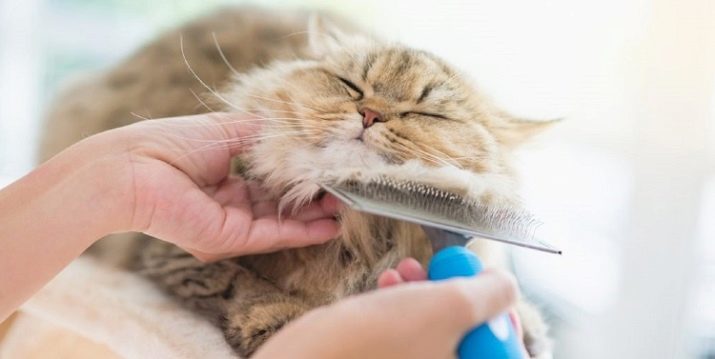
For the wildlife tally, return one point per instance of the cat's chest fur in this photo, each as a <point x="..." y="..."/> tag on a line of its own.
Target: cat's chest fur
<point x="366" y="246"/>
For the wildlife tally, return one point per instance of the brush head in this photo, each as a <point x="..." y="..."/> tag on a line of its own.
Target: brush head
<point x="430" y="206"/>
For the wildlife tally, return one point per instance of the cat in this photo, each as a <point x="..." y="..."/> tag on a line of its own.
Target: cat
<point x="335" y="102"/>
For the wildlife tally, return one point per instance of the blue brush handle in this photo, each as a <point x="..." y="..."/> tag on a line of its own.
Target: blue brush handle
<point x="495" y="339"/>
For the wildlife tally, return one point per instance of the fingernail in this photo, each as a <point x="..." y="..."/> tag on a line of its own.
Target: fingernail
<point x="331" y="203"/>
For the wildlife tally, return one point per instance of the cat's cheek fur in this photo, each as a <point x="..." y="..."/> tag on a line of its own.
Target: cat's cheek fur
<point x="303" y="166"/>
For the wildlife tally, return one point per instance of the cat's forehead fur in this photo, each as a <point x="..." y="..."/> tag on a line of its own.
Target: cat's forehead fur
<point x="397" y="72"/>
<point x="405" y="78"/>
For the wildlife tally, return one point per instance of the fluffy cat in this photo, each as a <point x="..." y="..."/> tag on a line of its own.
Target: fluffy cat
<point x="335" y="103"/>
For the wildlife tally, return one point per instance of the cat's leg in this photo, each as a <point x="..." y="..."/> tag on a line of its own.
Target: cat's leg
<point x="248" y="308"/>
<point x="200" y="286"/>
<point x="254" y="317"/>
<point x="536" y="338"/>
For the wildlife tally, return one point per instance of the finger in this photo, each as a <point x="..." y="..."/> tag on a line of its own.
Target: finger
<point x="238" y="126"/>
<point x="411" y="270"/>
<point x="265" y="209"/>
<point x="326" y="207"/>
<point x="257" y="192"/>
<point x="293" y="233"/>
<point x="516" y="322"/>
<point x="269" y="234"/>
<point x="389" y="278"/>
<point x="224" y="126"/>
<point x="204" y="257"/>
<point x="471" y="301"/>
<point x="519" y="329"/>
<point x="235" y="192"/>
<point x="491" y="295"/>
<point x="330" y="203"/>
<point x="232" y="191"/>
<point x="201" y="146"/>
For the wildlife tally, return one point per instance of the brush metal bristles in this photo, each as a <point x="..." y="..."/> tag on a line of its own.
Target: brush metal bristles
<point x="431" y="206"/>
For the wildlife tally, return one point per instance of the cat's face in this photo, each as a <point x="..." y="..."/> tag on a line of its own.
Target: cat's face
<point x="361" y="105"/>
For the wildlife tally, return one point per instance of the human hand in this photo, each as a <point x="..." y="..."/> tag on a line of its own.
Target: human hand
<point x="167" y="178"/>
<point x="416" y="320"/>
<point x="175" y="186"/>
<point x="410" y="270"/>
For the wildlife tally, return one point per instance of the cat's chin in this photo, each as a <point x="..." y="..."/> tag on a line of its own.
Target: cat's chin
<point x="353" y="153"/>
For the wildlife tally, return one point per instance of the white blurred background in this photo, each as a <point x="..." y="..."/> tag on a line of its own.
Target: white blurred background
<point x="625" y="186"/>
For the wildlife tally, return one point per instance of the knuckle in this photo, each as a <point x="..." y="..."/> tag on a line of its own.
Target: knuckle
<point x="496" y="291"/>
<point x="458" y="297"/>
<point x="204" y="258"/>
<point x="505" y="287"/>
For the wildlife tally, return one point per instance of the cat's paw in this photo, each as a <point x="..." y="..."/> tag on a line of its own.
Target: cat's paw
<point x="247" y="329"/>
<point x="536" y="338"/>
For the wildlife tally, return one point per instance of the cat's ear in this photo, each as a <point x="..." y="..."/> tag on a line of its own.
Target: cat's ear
<point x="324" y="37"/>
<point x="514" y="131"/>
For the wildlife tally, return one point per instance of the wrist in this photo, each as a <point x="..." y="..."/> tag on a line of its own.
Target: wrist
<point x="52" y="215"/>
<point x="91" y="181"/>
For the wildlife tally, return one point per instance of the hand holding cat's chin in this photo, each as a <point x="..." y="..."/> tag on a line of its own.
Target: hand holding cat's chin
<point x="169" y="178"/>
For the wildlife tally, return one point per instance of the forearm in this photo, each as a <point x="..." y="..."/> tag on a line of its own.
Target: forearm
<point x="49" y="217"/>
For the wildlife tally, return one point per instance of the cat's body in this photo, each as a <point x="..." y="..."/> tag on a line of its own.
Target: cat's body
<point x="253" y="296"/>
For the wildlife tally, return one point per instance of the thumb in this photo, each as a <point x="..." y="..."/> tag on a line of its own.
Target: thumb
<point x="463" y="303"/>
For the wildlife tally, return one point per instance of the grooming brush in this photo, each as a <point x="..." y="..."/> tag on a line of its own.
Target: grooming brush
<point x="450" y="221"/>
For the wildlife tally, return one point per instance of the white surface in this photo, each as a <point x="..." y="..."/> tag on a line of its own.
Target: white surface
<point x="20" y="72"/>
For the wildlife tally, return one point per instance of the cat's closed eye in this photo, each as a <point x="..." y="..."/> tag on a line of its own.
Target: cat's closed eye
<point x="425" y="114"/>
<point x="356" y="91"/>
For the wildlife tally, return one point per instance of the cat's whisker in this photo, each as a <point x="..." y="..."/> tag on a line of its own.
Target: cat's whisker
<point x="294" y="88"/>
<point x="436" y="156"/>
<point x="438" y="159"/>
<point x="478" y="157"/>
<point x="207" y="147"/>
<point x="210" y="109"/>
<point x="223" y="57"/>
<point x="145" y="118"/>
<point x="457" y="158"/>
<point x="448" y="159"/>
<point x="281" y="101"/>
<point x="258" y="117"/>
<point x="229" y="144"/>
<point x="407" y="150"/>
<point x="201" y="101"/>
<point x="296" y="33"/>
<point x="202" y="82"/>
<point x="410" y="153"/>
<point x="238" y="139"/>
<point x="212" y="146"/>
<point x="428" y="156"/>
<point x="198" y="98"/>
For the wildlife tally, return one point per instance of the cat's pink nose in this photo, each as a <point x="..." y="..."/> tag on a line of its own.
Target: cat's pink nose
<point x="369" y="117"/>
